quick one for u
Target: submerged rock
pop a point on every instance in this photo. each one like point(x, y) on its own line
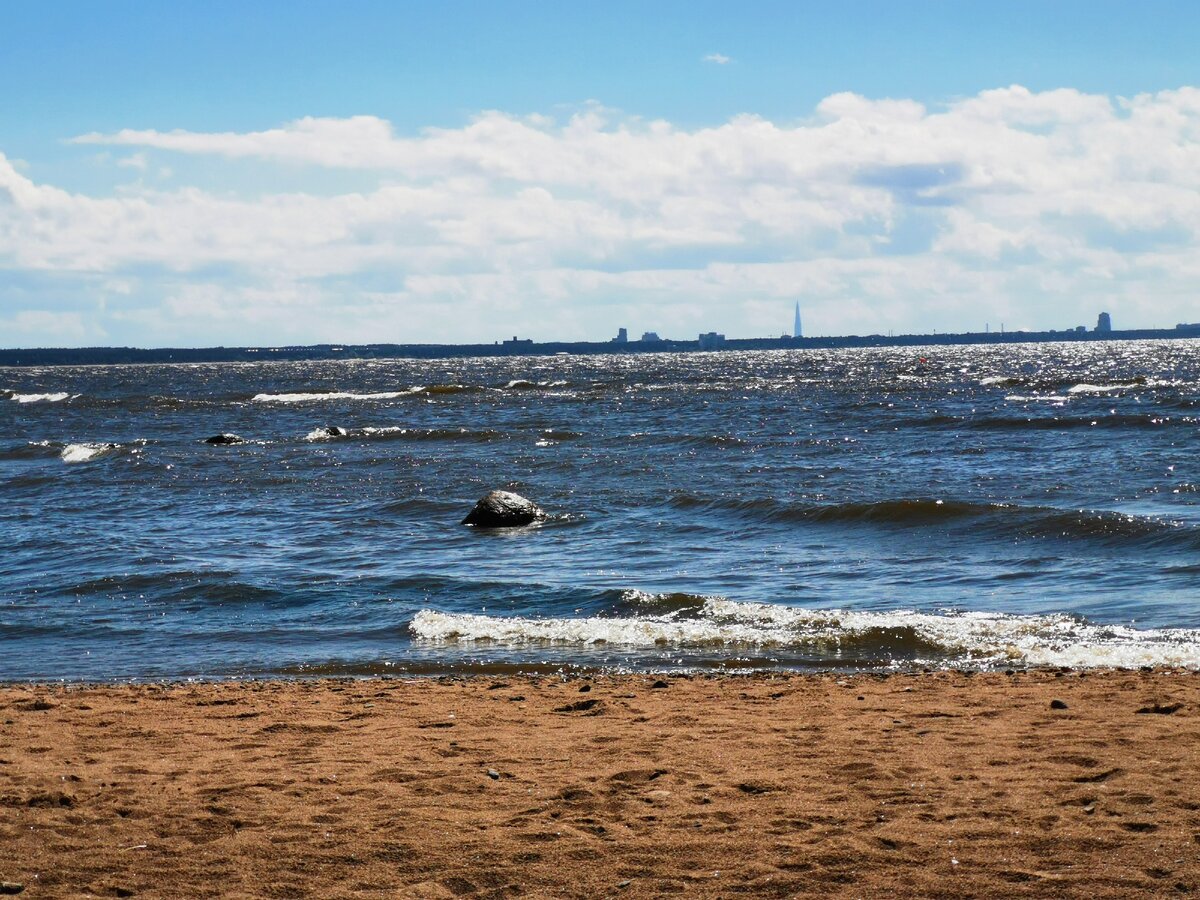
point(333, 431)
point(224, 439)
point(504, 509)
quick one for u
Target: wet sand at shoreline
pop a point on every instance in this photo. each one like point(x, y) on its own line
point(933, 785)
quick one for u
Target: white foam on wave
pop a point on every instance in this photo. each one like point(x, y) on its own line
point(1037, 398)
point(78, 453)
point(323, 434)
point(332, 395)
point(956, 639)
point(42, 398)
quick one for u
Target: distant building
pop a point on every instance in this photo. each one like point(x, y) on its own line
point(712, 341)
point(518, 342)
point(622, 336)
point(797, 331)
point(1081, 329)
point(1186, 326)
point(650, 337)
point(1103, 324)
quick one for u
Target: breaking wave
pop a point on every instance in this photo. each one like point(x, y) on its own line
point(80, 453)
point(57, 397)
point(957, 640)
point(393, 432)
point(321, 396)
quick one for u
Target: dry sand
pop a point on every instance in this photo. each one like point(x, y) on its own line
point(934, 785)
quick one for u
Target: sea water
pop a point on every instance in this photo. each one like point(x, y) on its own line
point(971, 507)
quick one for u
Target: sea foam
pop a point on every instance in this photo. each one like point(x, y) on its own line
point(966, 640)
point(332, 395)
point(78, 453)
point(41, 398)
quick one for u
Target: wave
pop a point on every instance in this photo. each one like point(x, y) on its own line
point(444, 389)
point(966, 640)
point(392, 432)
point(57, 397)
point(79, 453)
point(30, 450)
point(428, 390)
point(900, 511)
point(1069, 384)
point(1102, 388)
point(318, 397)
point(523, 384)
point(1049, 422)
point(1007, 519)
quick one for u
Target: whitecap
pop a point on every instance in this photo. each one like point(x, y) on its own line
point(1100, 388)
point(78, 453)
point(330, 395)
point(42, 398)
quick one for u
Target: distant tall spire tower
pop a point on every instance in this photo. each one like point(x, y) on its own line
point(797, 331)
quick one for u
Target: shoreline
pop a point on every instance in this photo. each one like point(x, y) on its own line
point(54, 357)
point(919, 784)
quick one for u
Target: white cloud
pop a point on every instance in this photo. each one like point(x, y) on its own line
point(719, 58)
point(877, 214)
point(134, 161)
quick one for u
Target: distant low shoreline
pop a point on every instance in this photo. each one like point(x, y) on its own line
point(50, 356)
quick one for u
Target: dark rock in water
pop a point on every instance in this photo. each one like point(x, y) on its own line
point(332, 431)
point(224, 439)
point(503, 509)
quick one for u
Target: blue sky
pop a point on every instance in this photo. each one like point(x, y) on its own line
point(473, 169)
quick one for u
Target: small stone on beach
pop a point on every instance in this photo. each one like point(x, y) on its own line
point(1058, 704)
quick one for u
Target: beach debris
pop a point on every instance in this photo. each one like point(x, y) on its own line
point(493, 774)
point(1058, 704)
point(581, 706)
point(224, 439)
point(1160, 709)
point(756, 787)
point(504, 509)
point(11, 887)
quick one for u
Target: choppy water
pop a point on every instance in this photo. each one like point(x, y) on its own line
point(982, 506)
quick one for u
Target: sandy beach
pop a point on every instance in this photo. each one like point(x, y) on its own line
point(933, 785)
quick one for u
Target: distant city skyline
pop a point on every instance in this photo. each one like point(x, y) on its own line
point(217, 173)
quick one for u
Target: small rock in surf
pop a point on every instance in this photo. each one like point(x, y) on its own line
point(504, 509)
point(224, 439)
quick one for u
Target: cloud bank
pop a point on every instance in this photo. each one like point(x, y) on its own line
point(1038, 209)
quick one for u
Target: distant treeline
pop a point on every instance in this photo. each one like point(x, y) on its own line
point(89, 356)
